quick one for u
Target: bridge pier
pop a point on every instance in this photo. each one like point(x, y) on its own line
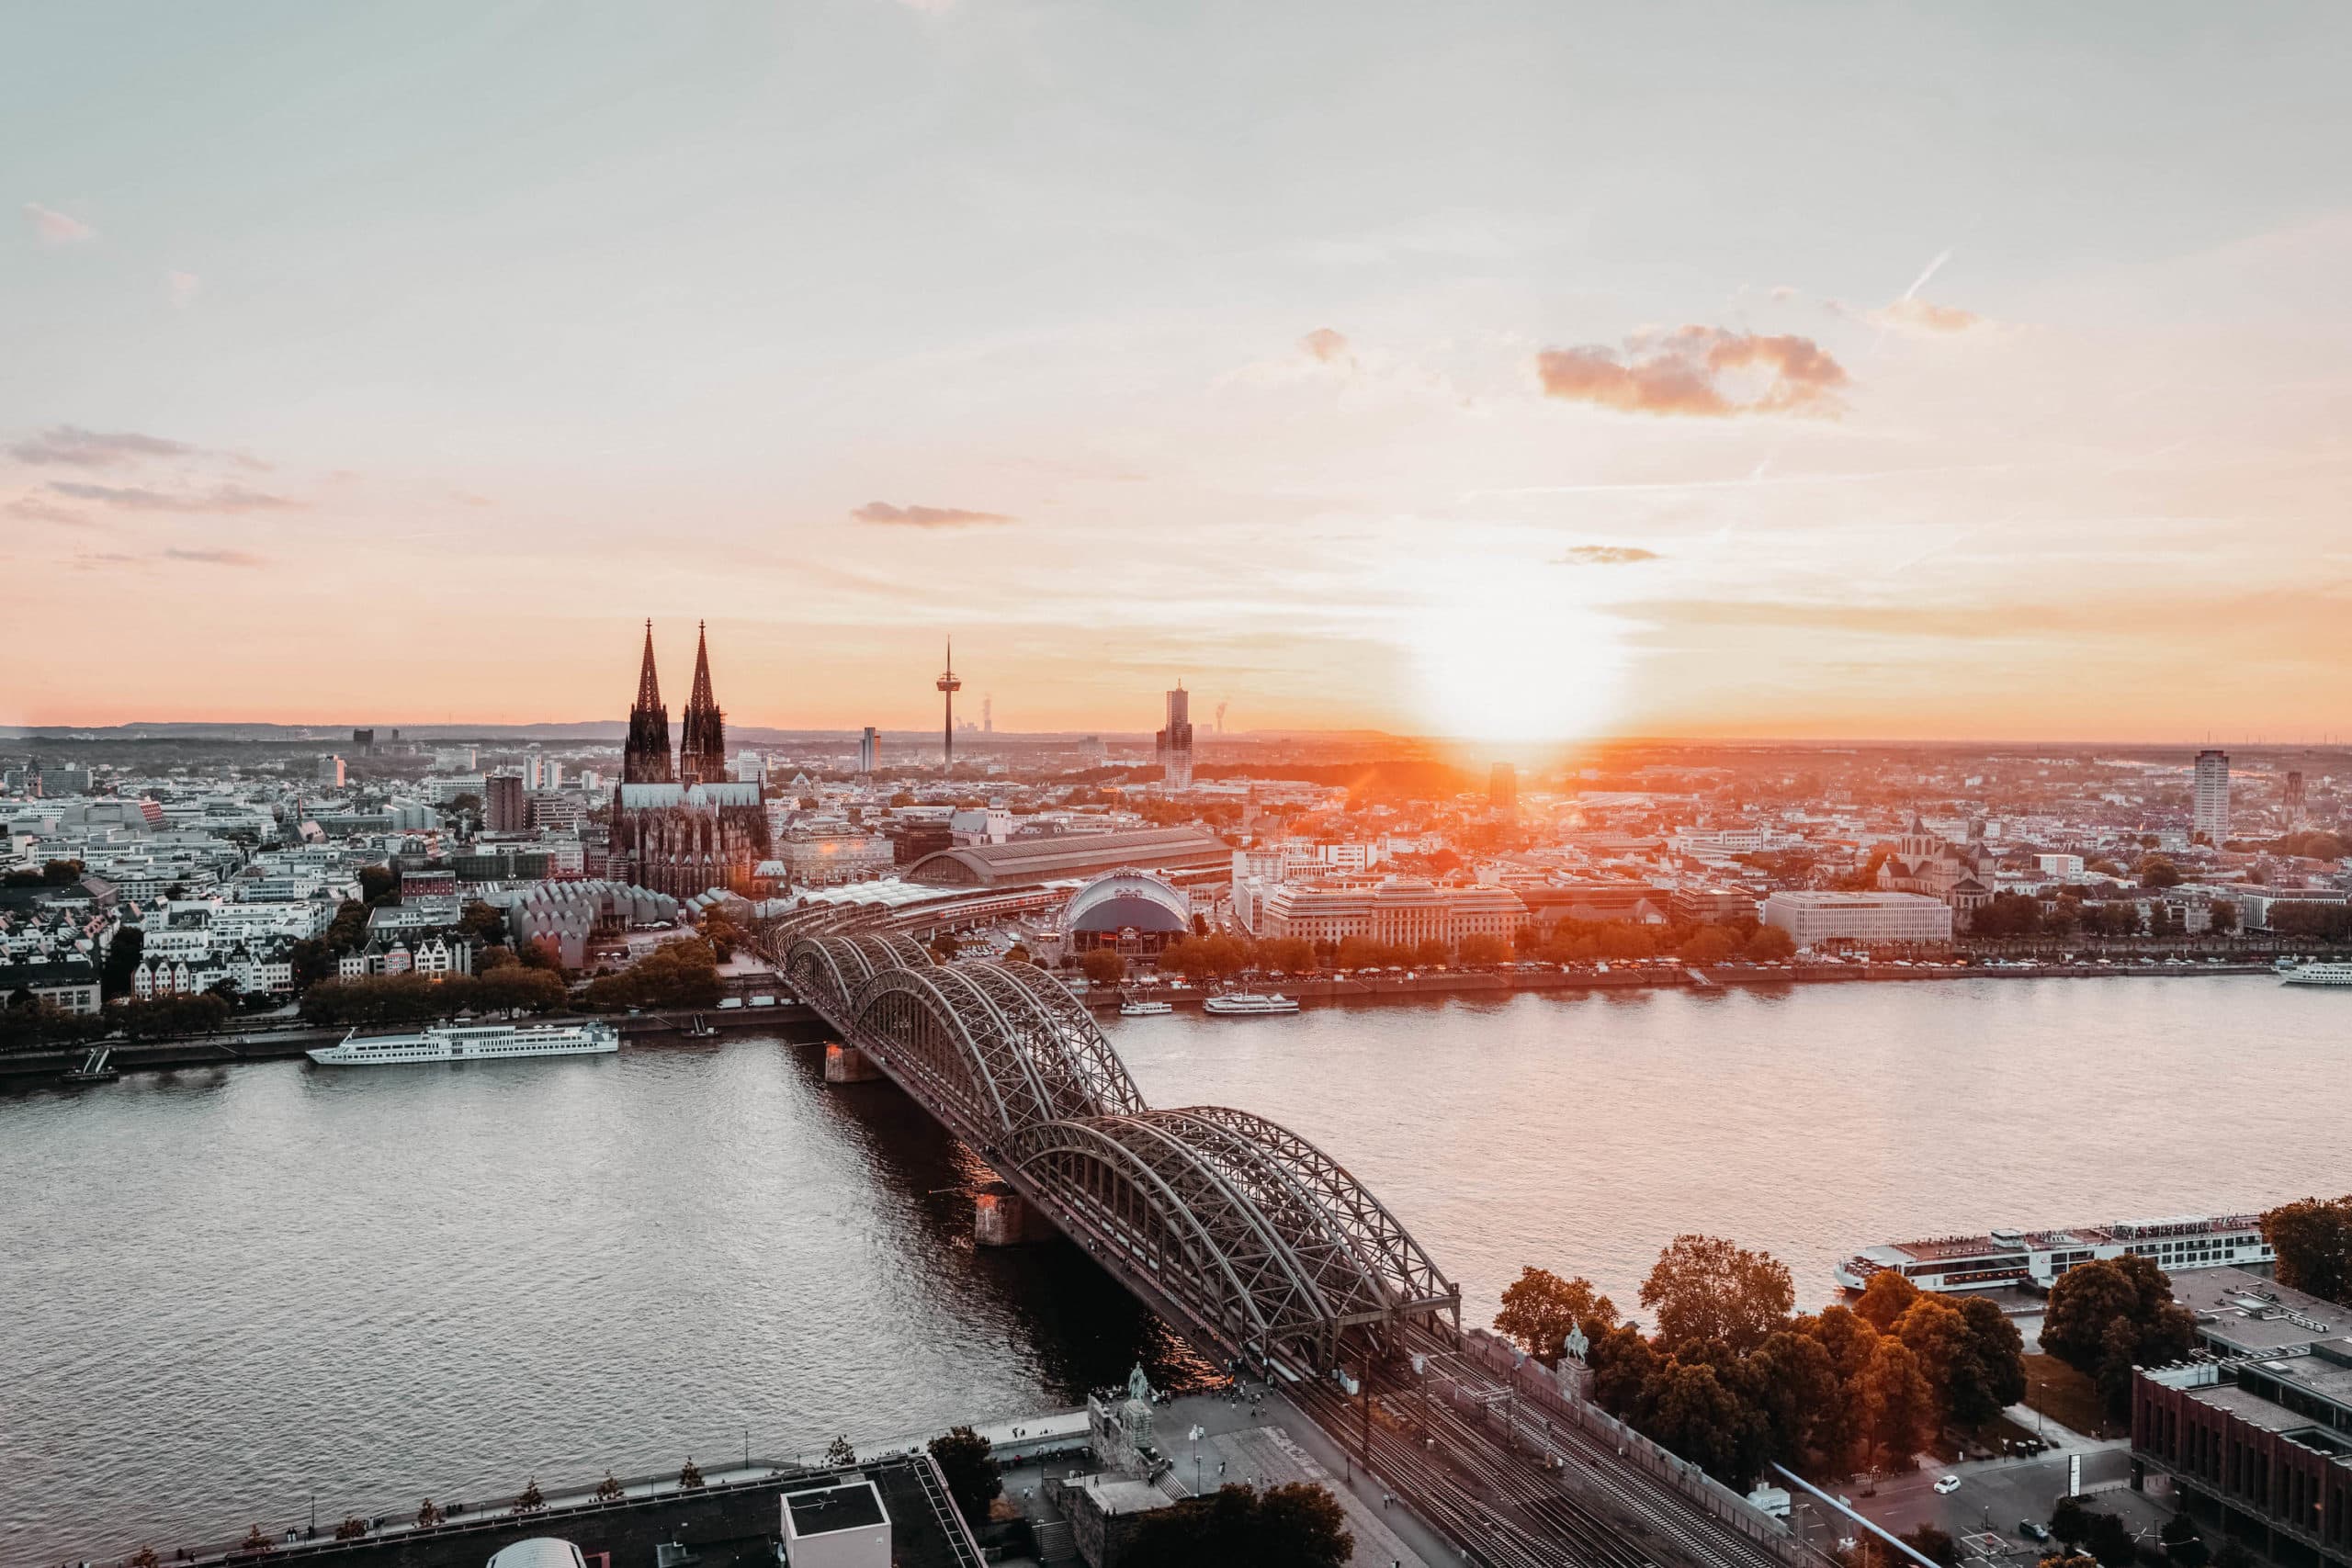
point(1002, 1217)
point(847, 1064)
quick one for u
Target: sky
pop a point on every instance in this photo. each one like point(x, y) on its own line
point(1528, 371)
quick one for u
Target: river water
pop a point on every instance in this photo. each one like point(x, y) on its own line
point(224, 1292)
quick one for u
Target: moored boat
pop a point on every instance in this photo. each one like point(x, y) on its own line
point(1249, 1004)
point(2036, 1258)
point(469, 1043)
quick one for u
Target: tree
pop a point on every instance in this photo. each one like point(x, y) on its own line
point(1802, 1399)
point(839, 1452)
point(2111, 1541)
point(1934, 1544)
point(1299, 1525)
point(1485, 948)
point(123, 954)
point(609, 1489)
point(530, 1500)
point(2109, 1314)
point(2183, 1542)
point(1895, 1407)
point(378, 885)
point(427, 1514)
point(1938, 1337)
point(483, 922)
point(352, 1528)
point(1624, 1366)
point(2221, 918)
point(1539, 1308)
point(683, 972)
point(1887, 1297)
point(1991, 1378)
point(1771, 945)
point(969, 1468)
point(61, 872)
point(1694, 1412)
point(1705, 1290)
point(1101, 966)
point(690, 1475)
point(1708, 945)
point(2313, 1240)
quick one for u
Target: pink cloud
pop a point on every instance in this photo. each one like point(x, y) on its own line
point(56, 228)
point(139, 498)
point(925, 516)
point(74, 448)
point(1325, 346)
point(1912, 313)
point(1704, 372)
point(214, 557)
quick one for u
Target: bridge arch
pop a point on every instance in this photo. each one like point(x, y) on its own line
point(827, 970)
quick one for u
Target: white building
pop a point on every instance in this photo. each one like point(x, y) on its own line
point(869, 750)
point(2060, 865)
point(1816, 919)
point(331, 771)
point(1396, 911)
point(2213, 795)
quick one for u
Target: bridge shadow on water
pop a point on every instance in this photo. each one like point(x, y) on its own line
point(1062, 1310)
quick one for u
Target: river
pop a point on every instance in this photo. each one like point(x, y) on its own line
point(225, 1292)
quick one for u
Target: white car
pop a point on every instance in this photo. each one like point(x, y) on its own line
point(1947, 1486)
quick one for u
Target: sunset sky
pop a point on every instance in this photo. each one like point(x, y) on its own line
point(1481, 370)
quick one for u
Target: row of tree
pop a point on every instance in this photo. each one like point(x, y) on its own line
point(26, 1026)
point(1571, 942)
point(1732, 1380)
point(2021, 914)
point(683, 972)
point(419, 999)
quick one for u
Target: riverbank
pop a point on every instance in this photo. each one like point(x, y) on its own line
point(277, 1044)
point(1656, 976)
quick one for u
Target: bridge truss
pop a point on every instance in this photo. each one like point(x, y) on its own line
point(1245, 1235)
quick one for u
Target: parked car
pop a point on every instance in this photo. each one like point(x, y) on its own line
point(2031, 1531)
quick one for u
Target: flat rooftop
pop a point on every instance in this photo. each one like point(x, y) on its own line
point(852, 1505)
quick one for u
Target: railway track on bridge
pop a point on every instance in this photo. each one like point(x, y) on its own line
point(1250, 1240)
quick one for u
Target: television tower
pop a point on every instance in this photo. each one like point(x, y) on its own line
point(948, 686)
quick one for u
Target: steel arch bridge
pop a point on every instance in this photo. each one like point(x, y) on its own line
point(1246, 1235)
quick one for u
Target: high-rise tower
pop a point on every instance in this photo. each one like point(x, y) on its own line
point(948, 686)
point(2212, 794)
point(646, 758)
point(702, 748)
point(1174, 744)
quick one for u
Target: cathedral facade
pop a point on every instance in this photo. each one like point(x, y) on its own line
point(680, 825)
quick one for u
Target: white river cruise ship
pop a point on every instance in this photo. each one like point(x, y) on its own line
point(470, 1043)
point(2037, 1257)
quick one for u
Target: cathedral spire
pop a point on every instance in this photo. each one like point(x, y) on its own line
point(646, 758)
point(649, 684)
point(702, 746)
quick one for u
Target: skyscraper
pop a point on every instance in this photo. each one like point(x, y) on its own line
point(503, 808)
point(2292, 801)
point(2213, 795)
point(948, 686)
point(1173, 745)
point(869, 750)
point(988, 715)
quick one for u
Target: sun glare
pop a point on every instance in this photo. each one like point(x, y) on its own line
point(1507, 656)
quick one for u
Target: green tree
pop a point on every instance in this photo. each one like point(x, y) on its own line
point(1539, 1308)
point(1296, 1526)
point(1990, 1377)
point(1705, 1290)
point(1700, 1415)
point(378, 885)
point(1101, 966)
point(1485, 948)
point(483, 922)
point(2110, 1315)
point(1802, 1400)
point(2313, 1240)
point(2111, 1541)
point(678, 974)
point(61, 872)
point(1771, 945)
point(1933, 1544)
point(1709, 945)
point(968, 1466)
point(123, 954)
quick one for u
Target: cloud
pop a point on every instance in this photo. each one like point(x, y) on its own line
point(182, 287)
point(1706, 372)
point(1914, 315)
point(56, 228)
point(76, 447)
point(139, 498)
point(42, 511)
point(1326, 346)
point(214, 557)
point(1606, 555)
point(925, 516)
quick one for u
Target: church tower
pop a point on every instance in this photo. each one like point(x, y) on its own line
point(645, 759)
point(702, 748)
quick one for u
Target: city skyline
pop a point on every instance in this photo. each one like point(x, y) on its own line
point(1980, 390)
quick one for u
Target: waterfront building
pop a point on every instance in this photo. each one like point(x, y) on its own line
point(1715, 906)
point(1814, 918)
point(684, 828)
point(2259, 1449)
point(1173, 745)
point(1396, 911)
point(1133, 912)
point(2212, 794)
point(68, 984)
point(1550, 904)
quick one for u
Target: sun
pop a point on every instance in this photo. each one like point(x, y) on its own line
point(1507, 656)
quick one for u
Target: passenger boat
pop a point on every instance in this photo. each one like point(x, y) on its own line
point(1249, 1004)
point(469, 1043)
point(1131, 1006)
point(2313, 974)
point(2036, 1258)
